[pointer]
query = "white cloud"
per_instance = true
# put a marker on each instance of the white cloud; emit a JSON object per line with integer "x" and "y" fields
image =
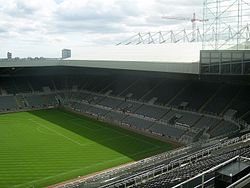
{"x": 43, "y": 27}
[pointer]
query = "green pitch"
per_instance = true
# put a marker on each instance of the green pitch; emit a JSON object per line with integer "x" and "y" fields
{"x": 45, "y": 147}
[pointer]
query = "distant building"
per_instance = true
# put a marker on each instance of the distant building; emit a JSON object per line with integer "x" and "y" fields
{"x": 9, "y": 55}
{"x": 66, "y": 53}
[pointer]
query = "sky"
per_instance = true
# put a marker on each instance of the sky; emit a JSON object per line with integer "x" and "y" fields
{"x": 35, "y": 28}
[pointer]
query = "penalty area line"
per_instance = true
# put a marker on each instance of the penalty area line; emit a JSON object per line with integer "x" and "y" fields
{"x": 54, "y": 131}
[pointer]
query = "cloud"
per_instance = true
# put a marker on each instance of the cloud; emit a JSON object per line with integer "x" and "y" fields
{"x": 75, "y": 23}
{"x": 95, "y": 16}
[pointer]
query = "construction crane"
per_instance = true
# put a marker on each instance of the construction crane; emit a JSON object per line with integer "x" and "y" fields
{"x": 193, "y": 20}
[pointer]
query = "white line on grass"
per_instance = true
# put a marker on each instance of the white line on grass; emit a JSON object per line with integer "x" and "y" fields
{"x": 60, "y": 134}
{"x": 68, "y": 172}
{"x": 73, "y": 117}
{"x": 78, "y": 143}
{"x": 43, "y": 132}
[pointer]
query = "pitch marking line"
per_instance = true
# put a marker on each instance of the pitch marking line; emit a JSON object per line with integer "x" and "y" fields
{"x": 52, "y": 130}
{"x": 68, "y": 172}
{"x": 43, "y": 132}
{"x": 105, "y": 127}
{"x": 74, "y": 118}
{"x": 78, "y": 143}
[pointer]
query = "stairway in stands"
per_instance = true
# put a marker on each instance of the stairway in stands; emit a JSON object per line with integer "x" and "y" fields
{"x": 179, "y": 93}
{"x": 21, "y": 101}
{"x": 211, "y": 98}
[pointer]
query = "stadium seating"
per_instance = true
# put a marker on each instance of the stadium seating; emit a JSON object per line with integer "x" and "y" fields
{"x": 94, "y": 83}
{"x": 207, "y": 122}
{"x": 166, "y": 90}
{"x": 97, "y": 111}
{"x": 139, "y": 88}
{"x": 7, "y": 84}
{"x": 22, "y": 85}
{"x": 129, "y": 106}
{"x": 137, "y": 101}
{"x": 78, "y": 106}
{"x": 115, "y": 116}
{"x": 119, "y": 85}
{"x": 137, "y": 123}
{"x": 241, "y": 102}
{"x": 38, "y": 101}
{"x": 78, "y": 95}
{"x": 168, "y": 170}
{"x": 145, "y": 111}
{"x": 151, "y": 111}
{"x": 196, "y": 94}
{"x": 8, "y": 103}
{"x": 93, "y": 98}
{"x": 167, "y": 131}
{"x": 223, "y": 128}
{"x": 188, "y": 118}
{"x": 180, "y": 109}
{"x": 38, "y": 83}
{"x": 111, "y": 102}
{"x": 21, "y": 101}
{"x": 222, "y": 98}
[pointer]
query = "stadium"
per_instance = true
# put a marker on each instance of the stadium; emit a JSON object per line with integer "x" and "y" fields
{"x": 142, "y": 113}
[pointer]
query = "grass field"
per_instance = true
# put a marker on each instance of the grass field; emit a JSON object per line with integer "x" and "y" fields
{"x": 45, "y": 147}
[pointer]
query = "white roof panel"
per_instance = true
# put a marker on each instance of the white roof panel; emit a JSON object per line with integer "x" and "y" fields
{"x": 172, "y": 58}
{"x": 173, "y": 52}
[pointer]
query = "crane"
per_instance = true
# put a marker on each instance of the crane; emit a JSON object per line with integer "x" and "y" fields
{"x": 193, "y": 20}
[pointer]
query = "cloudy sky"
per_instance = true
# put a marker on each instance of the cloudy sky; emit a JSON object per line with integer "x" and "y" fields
{"x": 44, "y": 27}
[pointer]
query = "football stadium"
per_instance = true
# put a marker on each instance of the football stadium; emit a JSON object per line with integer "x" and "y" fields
{"x": 143, "y": 113}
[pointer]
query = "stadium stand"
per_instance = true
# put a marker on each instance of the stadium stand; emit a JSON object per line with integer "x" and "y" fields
{"x": 8, "y": 103}
{"x": 111, "y": 102}
{"x": 115, "y": 116}
{"x": 218, "y": 103}
{"x": 39, "y": 101}
{"x": 166, "y": 90}
{"x": 118, "y": 85}
{"x": 7, "y": 86}
{"x": 241, "y": 102}
{"x": 221, "y": 127}
{"x": 174, "y": 167}
{"x": 39, "y": 83}
{"x": 138, "y": 89}
{"x": 179, "y": 109}
{"x": 208, "y": 116}
{"x": 151, "y": 111}
{"x": 206, "y": 122}
{"x": 22, "y": 85}
{"x": 129, "y": 106}
{"x": 196, "y": 94}
{"x": 167, "y": 131}
{"x": 137, "y": 122}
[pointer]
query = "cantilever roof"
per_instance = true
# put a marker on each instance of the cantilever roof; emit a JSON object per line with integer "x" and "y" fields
{"x": 172, "y": 58}
{"x": 174, "y": 52}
